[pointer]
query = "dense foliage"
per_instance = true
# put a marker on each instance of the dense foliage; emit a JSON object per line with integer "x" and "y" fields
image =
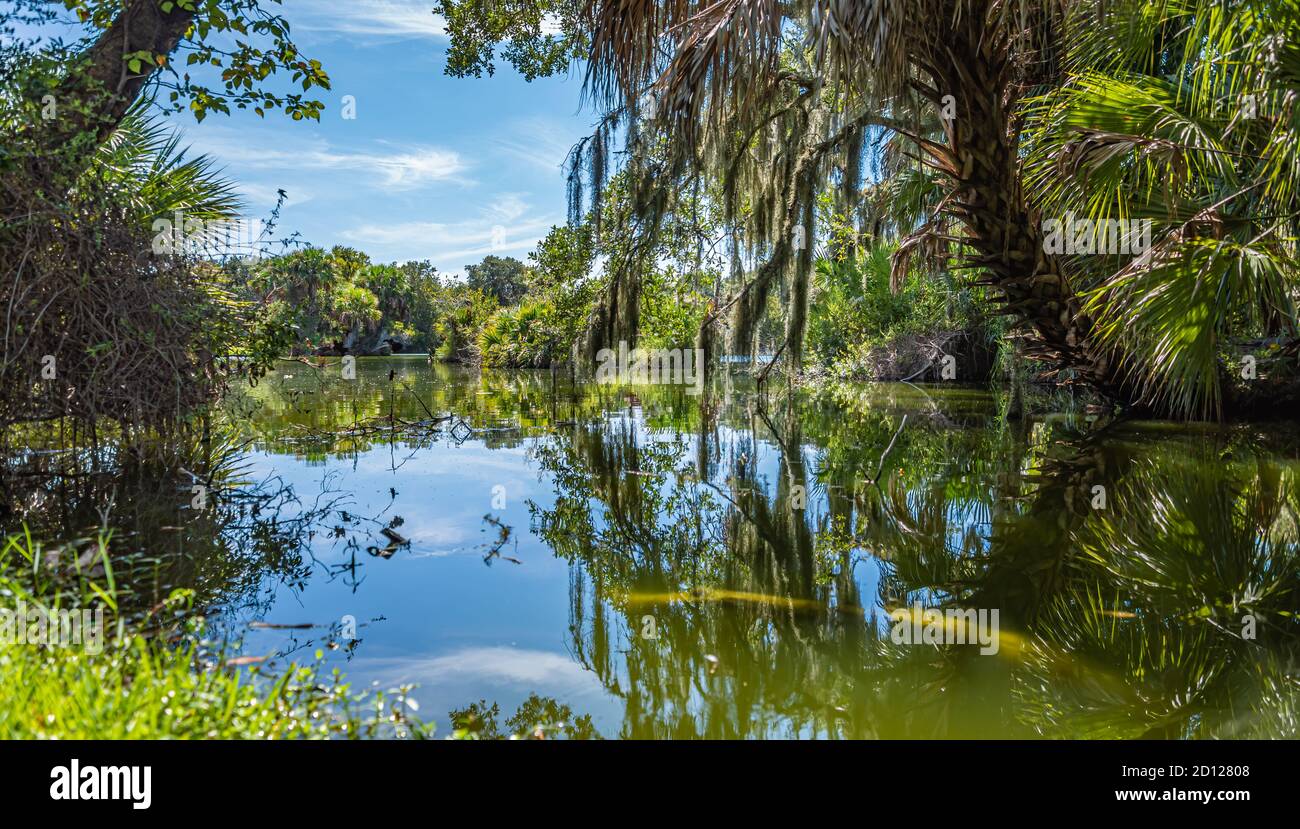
{"x": 338, "y": 301}
{"x": 962, "y": 131}
{"x": 859, "y": 327}
{"x": 103, "y": 323}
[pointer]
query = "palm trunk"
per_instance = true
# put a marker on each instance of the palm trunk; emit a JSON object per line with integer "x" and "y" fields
{"x": 971, "y": 62}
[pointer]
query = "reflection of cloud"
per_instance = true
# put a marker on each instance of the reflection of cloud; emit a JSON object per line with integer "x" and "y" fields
{"x": 440, "y": 532}
{"x": 383, "y": 18}
{"x": 529, "y": 670}
{"x": 480, "y": 464}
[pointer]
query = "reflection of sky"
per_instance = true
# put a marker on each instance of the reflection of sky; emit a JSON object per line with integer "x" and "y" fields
{"x": 502, "y": 674}
{"x": 435, "y": 614}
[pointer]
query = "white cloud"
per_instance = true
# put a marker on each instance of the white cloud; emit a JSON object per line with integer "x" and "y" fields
{"x": 388, "y": 166}
{"x": 538, "y": 142}
{"x": 508, "y": 207}
{"x": 505, "y": 226}
{"x": 448, "y": 243}
{"x": 376, "y": 18}
{"x": 544, "y": 671}
{"x": 402, "y": 168}
{"x": 413, "y": 168}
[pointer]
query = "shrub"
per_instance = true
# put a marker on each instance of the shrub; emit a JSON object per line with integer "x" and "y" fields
{"x": 526, "y": 336}
{"x": 857, "y": 325}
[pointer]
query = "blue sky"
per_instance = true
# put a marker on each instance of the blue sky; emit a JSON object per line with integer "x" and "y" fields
{"x": 432, "y": 167}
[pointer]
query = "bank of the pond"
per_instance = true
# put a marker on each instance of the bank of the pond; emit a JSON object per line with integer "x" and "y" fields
{"x": 71, "y": 669}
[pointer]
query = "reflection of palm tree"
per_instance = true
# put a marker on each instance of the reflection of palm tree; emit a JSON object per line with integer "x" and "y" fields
{"x": 1184, "y": 624}
{"x": 1102, "y": 609}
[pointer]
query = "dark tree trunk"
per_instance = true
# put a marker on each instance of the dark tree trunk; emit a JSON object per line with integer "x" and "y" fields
{"x": 971, "y": 62}
{"x": 94, "y": 95}
{"x": 100, "y": 89}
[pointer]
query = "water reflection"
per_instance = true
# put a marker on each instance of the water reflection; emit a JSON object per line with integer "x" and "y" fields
{"x": 538, "y": 718}
{"x": 188, "y": 520}
{"x": 1146, "y": 587}
{"x": 725, "y": 566}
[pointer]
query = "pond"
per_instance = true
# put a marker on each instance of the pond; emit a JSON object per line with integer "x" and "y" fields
{"x": 645, "y": 562}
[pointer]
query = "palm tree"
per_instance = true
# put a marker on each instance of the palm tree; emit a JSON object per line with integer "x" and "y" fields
{"x": 156, "y": 176}
{"x": 1180, "y": 112}
{"x": 1176, "y": 110}
{"x": 878, "y": 63}
{"x": 84, "y": 288}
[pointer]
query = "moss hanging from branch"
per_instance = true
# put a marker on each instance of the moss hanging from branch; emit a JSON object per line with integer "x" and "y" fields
{"x": 797, "y": 309}
{"x": 765, "y": 145}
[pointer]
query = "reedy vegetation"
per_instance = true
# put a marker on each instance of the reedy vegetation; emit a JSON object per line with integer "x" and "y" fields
{"x": 145, "y": 687}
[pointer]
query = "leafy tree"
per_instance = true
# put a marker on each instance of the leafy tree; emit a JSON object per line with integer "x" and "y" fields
{"x": 671, "y": 309}
{"x": 464, "y": 314}
{"x": 84, "y": 285}
{"x": 82, "y": 176}
{"x": 524, "y": 336}
{"x": 862, "y": 324}
{"x": 353, "y": 308}
{"x": 985, "y": 116}
{"x": 340, "y": 298}
{"x": 425, "y": 287}
{"x": 1178, "y": 114}
{"x": 540, "y": 37}
{"x": 131, "y": 49}
{"x": 498, "y": 276}
{"x": 561, "y": 274}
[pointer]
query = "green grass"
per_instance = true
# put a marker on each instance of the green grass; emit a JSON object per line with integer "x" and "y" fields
{"x": 164, "y": 686}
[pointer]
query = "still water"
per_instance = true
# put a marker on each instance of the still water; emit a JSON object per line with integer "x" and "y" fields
{"x": 641, "y": 562}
